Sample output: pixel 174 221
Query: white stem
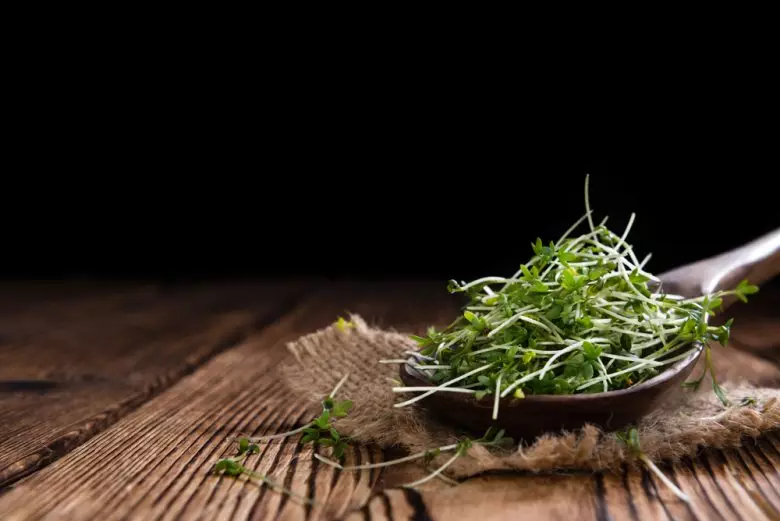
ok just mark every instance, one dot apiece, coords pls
pixel 536 323
pixel 677 492
pixel 384 463
pixel 628 358
pixel 434 473
pixel 432 388
pixel 442 386
pixel 623 238
pixel 574 227
pixel 587 201
pixel 512 320
pixel 526 378
pixel 418 355
pixel 495 402
pixel 485 279
pixel 338 385
pixel 281 435
pixel 604 372
pixel 572 347
pixel 645 363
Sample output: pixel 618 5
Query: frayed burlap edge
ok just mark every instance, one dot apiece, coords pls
pixel 681 427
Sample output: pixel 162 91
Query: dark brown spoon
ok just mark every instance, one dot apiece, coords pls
pixel 527 418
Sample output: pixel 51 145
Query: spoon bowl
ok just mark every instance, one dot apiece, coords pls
pixel 529 417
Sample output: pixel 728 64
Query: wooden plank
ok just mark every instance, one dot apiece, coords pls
pixel 154 463
pixel 71 366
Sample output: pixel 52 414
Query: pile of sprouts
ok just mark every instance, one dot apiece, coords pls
pixel 581 316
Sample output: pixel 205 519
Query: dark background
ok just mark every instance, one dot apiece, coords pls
pixel 179 185
pixel 454 211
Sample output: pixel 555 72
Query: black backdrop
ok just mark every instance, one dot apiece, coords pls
pixel 393 214
pixel 153 192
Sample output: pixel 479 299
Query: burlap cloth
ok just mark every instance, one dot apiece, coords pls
pixel 682 426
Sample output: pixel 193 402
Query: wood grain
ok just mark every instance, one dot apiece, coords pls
pixel 153 463
pixel 71 366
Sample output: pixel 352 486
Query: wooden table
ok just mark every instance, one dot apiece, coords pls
pixel 117 400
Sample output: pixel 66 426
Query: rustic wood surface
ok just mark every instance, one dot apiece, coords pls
pixel 116 402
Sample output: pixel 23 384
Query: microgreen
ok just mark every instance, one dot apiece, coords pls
pixel 321 430
pixel 492 438
pixel 343 324
pixel 232 467
pixel 582 315
pixel 748 401
pixel 630 437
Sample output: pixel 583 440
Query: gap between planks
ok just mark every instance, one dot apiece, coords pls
pixel 104 402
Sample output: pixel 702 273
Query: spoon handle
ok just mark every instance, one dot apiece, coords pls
pixel 757 261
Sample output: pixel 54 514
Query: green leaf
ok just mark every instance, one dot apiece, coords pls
pixel 636 278
pixel 519 393
pixel 625 342
pixel 334 434
pixel 724 332
pixel 688 327
pixel 745 288
pixel 585 322
pixel 567 280
pixel 554 312
pixel 431 455
pixel 311 435
pixel 591 351
pixel 243 445
pixel 528 356
pixel 338 450
pixel 463 446
pixel 526 273
pixel 253 449
pixel 340 409
pixel 229 467
pixel 480 394
pixel 537 247
pixel 471 317
pixel 343 324
pixel 567 256
pixel 322 421
pixel 586 371
pixel 634 439
pixel 421 340
pixel 747 401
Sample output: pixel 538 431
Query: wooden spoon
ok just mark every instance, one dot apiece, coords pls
pixel 527 418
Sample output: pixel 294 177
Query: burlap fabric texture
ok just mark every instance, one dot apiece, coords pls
pixel 682 426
